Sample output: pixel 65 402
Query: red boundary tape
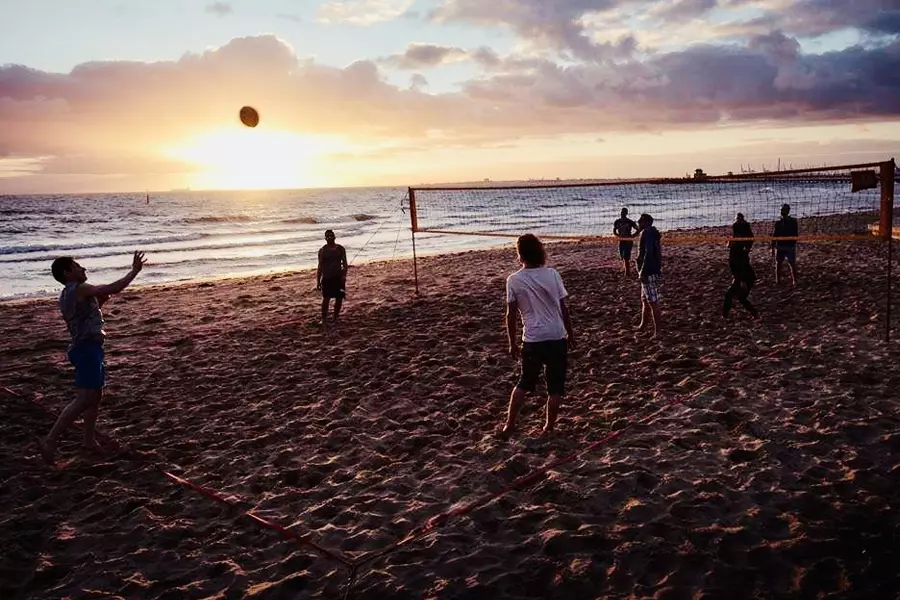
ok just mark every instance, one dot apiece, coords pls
pixel 433 523
pixel 211 494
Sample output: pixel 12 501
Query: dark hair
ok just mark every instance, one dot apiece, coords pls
pixel 785 209
pixel 740 216
pixel 531 250
pixel 60 267
pixel 646 218
pixel 329 232
pixel 624 211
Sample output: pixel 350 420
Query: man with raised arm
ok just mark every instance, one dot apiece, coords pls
pixel 649 264
pixel 624 228
pixel 785 227
pixel 537 293
pixel 331 275
pixel 80 303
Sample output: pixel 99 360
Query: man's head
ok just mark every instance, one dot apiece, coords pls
pixel 329 236
pixel 740 218
pixel 65 270
pixel 624 212
pixel 645 220
pixel 531 251
pixel 785 210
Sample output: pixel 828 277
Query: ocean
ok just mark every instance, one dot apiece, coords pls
pixel 194 235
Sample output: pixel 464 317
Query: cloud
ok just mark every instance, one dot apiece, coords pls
pixel 683 10
pixel 362 12
pixel 556 25
pixel 107 109
pixel 422 56
pixel 220 9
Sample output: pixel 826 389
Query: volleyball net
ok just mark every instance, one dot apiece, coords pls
pixel 851 202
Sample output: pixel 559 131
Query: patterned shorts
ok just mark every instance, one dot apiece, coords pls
pixel 650 288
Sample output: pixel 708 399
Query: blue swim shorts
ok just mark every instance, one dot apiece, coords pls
pixel 89 363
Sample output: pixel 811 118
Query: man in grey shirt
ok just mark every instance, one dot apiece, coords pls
pixel 80 304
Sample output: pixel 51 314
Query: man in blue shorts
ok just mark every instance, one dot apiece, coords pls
pixel 80 304
pixel 649 264
pixel 786 227
pixel 623 229
pixel 538 294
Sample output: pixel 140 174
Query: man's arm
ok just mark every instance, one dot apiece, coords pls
pixel 570 335
pixel 344 265
pixel 512 310
pixel 319 272
pixel 86 290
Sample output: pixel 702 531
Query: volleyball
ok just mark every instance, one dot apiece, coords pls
pixel 249 116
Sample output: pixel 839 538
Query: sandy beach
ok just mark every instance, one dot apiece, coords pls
pixel 780 480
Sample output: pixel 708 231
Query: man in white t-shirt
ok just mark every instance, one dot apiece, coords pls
pixel 537 293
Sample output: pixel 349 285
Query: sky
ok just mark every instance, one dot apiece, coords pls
pixel 116 95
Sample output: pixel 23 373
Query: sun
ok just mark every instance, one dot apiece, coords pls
pixel 243 158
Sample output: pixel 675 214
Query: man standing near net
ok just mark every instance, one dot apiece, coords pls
pixel 623 229
pixel 538 294
pixel 742 271
pixel 80 303
pixel 331 275
pixel 649 264
pixel 786 227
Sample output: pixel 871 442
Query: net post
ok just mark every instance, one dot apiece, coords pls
pixel 414 226
pixel 886 229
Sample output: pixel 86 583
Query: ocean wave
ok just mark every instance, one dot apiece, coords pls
pixel 123 248
pixel 10 250
pixel 221 219
pixel 300 221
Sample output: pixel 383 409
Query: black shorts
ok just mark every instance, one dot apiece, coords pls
pixel 333 287
pixel 535 356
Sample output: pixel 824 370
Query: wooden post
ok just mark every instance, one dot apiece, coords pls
pixel 414 226
pixel 886 229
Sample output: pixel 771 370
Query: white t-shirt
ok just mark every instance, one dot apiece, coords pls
pixel 538 292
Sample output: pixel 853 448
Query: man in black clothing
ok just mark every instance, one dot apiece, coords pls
pixel 741 269
pixel 623 229
pixel 786 227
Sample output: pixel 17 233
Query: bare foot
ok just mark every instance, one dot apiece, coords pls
pixel 505 432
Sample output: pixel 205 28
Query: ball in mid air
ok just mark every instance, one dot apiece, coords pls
pixel 249 116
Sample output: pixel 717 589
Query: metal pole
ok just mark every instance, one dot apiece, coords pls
pixel 415 262
pixel 414 226
pixel 886 229
pixel 890 254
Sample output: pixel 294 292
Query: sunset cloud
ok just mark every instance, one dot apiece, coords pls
pixel 593 68
pixel 362 12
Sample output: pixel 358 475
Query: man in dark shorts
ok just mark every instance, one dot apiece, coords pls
pixel 80 303
pixel 537 293
pixel 786 227
pixel 331 275
pixel 742 271
pixel 649 263
pixel 623 229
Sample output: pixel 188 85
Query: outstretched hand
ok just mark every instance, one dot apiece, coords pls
pixel 138 262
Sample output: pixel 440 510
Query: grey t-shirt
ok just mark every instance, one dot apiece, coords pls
pixel 83 318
